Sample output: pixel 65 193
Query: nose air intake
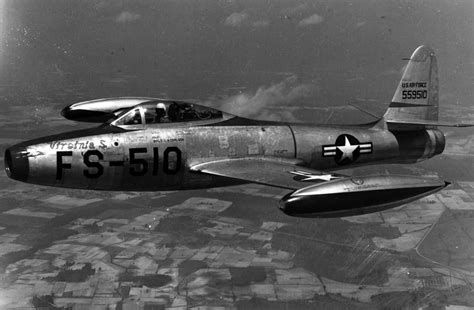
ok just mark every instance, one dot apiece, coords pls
pixel 16 163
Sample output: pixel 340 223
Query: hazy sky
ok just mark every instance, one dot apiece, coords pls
pixel 287 52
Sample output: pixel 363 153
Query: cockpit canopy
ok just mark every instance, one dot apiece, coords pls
pixel 166 112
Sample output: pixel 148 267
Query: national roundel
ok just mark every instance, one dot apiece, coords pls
pixel 346 149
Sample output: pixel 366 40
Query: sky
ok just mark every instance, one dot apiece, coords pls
pixel 248 57
pixel 273 59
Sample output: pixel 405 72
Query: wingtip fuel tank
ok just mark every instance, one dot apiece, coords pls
pixel 100 110
pixel 358 195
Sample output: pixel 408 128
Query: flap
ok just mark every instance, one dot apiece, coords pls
pixel 283 173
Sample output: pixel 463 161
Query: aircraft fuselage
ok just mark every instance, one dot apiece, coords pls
pixel 159 157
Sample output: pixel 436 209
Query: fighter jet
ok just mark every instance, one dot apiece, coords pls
pixel 148 144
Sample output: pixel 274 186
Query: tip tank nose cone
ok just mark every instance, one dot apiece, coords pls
pixel 64 112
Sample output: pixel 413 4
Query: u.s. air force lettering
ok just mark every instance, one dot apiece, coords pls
pixel 414 90
pixel 347 149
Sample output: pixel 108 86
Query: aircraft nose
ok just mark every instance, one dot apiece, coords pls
pixel 16 163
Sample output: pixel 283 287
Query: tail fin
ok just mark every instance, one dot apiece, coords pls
pixel 416 98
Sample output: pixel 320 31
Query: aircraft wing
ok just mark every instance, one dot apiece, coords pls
pixel 268 171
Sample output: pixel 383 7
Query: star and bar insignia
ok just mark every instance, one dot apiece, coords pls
pixel 305 176
pixel 347 149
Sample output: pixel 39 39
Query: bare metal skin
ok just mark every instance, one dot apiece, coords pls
pixel 154 144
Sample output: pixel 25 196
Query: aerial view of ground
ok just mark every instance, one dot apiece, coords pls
pixel 231 247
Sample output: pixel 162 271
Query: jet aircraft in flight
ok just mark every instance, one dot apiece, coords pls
pixel 147 144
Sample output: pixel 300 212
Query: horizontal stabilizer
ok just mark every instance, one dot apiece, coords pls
pixel 416 123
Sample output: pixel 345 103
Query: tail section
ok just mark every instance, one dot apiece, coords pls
pixel 412 115
pixel 416 98
pixel 414 105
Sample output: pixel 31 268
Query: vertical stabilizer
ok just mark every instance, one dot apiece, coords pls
pixel 416 98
